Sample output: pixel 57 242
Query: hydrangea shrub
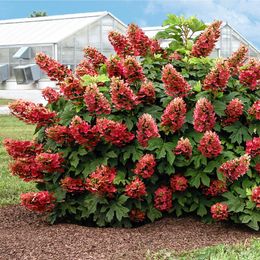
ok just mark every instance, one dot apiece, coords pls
pixel 146 133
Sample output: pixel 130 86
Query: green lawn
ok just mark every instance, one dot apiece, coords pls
pixel 249 251
pixel 11 187
pixel 4 102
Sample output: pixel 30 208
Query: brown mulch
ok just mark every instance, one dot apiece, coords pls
pixel 24 235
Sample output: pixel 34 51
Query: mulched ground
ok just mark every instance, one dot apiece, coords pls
pixel 24 235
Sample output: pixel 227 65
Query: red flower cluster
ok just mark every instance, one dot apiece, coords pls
pixel 94 56
pixel 101 180
pixel 210 145
pixel 163 198
pixel 114 132
pixel 204 115
pixel 253 147
pixel 178 183
pixel 219 211
pixel 218 78
pixel 85 67
pixel 174 115
pixel 145 166
pixel 237 59
pixel 122 95
pixel 49 162
pixel 255 110
pixel 257 167
pixel 32 113
pixel 233 111
pixel 40 202
pixel 50 95
pixel 235 168
pixel 135 189
pixel 22 149
pixel 175 56
pixel 72 88
pixel 132 70
pixel 250 74
pixel 184 148
pixel 205 43
pixel 26 169
pixel 216 187
pixel 95 101
pixel 53 68
pixel 146 94
pixel 83 133
pixel 174 83
pixel 137 215
pixel 72 185
pixel 256 196
pixel 115 67
pixel 121 44
pixel 146 129
pixel 60 134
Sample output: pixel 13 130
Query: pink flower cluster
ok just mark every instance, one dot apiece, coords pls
pixel 174 83
pixel 253 147
pixel 72 185
pixel 49 162
pixel 95 101
pixel 60 134
pixel 135 189
pixel 40 202
pixel 184 148
pixel 178 183
pixel 50 95
pixel 210 145
pixel 146 129
pixel 115 67
pixel 137 215
pixel 32 113
pixel 219 211
pixel 163 198
pixel 85 67
pixel 174 115
pixel 205 43
pixel 256 196
pixel 145 166
pixel 216 187
pixel 204 115
pixel 114 132
pixel 218 78
pixel 94 56
pixel 233 169
pixel 255 110
pixel 54 69
pixel 132 70
pixel 233 111
pixel 146 93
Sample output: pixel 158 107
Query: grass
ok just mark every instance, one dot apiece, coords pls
pixel 11 187
pixel 247 251
pixel 5 102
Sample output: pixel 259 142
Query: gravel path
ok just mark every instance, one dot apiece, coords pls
pixel 25 235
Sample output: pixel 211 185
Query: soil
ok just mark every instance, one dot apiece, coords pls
pixel 25 235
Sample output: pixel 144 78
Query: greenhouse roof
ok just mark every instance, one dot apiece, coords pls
pixel 45 30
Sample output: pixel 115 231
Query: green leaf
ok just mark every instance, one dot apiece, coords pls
pixel 234 203
pixel 201 211
pixel 118 210
pixel 153 214
pixel 239 133
pixel 74 159
pixel 219 107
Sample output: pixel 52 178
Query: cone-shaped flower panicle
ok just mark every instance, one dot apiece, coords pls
pixel 146 129
pixel 94 56
pixel 122 95
pixel 40 202
pixel 115 67
pixel 219 211
pixel 133 70
pixel 256 196
pixel 50 162
pixel 114 132
pixel 205 43
pixel 163 198
pixel 174 115
pixel 253 147
pixel 83 133
pixel 51 67
pixel 135 189
pixel 32 113
pixel 233 169
pixel 250 74
pixel 178 183
pixel 101 181
pixel 257 167
pixel 174 83
pixel 85 67
pixel 121 44
pixel 145 167
pixel 210 145
pixel 175 56
pixel 217 79
pixel 184 148
pixel 72 185
pixel 95 101
pixel 136 215
pixel 146 93
pixel 233 111
pixel 60 134
pixel 255 110
pixel 50 95
pixel 216 188
pixel 204 116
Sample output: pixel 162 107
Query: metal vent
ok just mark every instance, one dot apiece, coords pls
pixel 4 72
pixel 26 74
pixel 23 53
